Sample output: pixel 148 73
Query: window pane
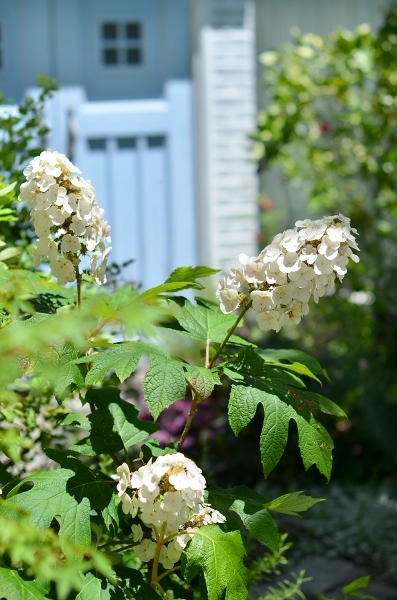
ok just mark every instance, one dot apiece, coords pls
pixel 109 31
pixel 134 56
pixel 97 144
pixel 156 141
pixel 126 143
pixel 133 31
pixel 110 56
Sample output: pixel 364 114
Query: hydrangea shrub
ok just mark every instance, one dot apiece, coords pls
pixel 121 516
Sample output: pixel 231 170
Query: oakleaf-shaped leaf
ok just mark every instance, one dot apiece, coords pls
pixel 314 442
pixel 202 380
pixel 284 397
pixel 220 556
pixel 114 425
pixel 13 587
pixel 163 384
pixel 203 323
pixel 293 503
pixel 251 507
pixel 67 494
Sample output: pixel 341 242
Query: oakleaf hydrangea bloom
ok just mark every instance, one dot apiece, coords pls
pixel 299 264
pixel 66 217
pixel 168 497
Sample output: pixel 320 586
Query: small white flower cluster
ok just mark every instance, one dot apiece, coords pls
pixel 300 263
pixel 169 499
pixel 66 217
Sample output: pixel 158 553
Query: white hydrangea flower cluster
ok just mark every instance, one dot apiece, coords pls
pixel 300 263
pixel 168 497
pixel 66 217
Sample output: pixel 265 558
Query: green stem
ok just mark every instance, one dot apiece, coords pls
pixel 192 412
pixel 160 541
pixel 155 584
pixel 230 333
pixel 168 572
pixel 78 282
pixel 115 459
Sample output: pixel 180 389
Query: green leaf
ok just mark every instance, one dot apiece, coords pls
pixel 220 556
pixel 93 589
pixel 68 373
pixel 242 408
pixel 169 287
pixel 152 449
pixel 182 278
pixel 68 494
pixel 203 380
pixel 114 425
pixel 6 190
pixel 315 445
pixel 10 253
pixel 296 368
pixel 202 323
pixel 293 356
pixel 163 384
pixel 357 584
pixel 13 587
pixel 291 504
pixel 283 397
pixel 190 274
pixel 251 508
pixel 132 580
pixel 77 420
pixel 314 442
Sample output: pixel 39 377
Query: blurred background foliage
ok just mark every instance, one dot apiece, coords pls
pixel 330 129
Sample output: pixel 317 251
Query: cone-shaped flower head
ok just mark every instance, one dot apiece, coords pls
pixel 66 217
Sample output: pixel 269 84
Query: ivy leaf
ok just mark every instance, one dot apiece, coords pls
pixel 68 494
pixel 113 426
pixel 251 507
pixel 13 587
pixel 204 324
pixel 220 556
pixel 293 503
pixel 163 384
pixel 203 380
